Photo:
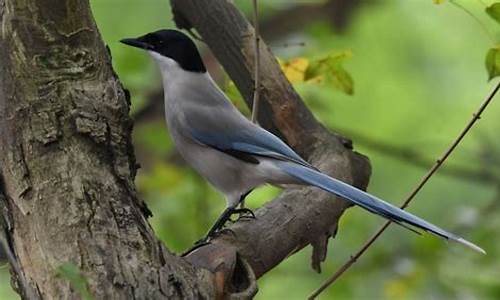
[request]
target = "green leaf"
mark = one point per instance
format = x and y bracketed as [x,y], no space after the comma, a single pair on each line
[342,80]
[330,70]
[71,272]
[494,11]
[438,1]
[493,62]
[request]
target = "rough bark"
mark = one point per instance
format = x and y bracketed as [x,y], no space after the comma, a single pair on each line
[297,217]
[68,165]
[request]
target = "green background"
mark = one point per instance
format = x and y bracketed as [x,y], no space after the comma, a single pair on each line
[418,71]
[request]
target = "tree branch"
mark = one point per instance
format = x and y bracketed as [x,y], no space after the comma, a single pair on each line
[68,165]
[297,217]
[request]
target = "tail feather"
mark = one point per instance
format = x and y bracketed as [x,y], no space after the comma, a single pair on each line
[367,201]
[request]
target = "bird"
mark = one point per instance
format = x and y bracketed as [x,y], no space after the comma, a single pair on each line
[234,154]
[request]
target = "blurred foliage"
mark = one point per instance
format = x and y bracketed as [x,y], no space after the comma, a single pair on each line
[493,62]
[328,70]
[419,74]
[494,11]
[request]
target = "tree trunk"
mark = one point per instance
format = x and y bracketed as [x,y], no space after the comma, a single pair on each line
[68,165]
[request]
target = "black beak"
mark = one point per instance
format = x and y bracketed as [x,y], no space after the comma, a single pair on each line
[138,43]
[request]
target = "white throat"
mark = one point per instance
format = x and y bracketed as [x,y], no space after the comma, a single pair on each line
[175,77]
[186,86]
[168,66]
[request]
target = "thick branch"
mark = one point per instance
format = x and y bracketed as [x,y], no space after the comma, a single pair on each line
[68,166]
[297,217]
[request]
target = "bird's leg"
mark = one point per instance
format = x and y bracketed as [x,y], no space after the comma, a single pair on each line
[242,198]
[224,218]
[216,228]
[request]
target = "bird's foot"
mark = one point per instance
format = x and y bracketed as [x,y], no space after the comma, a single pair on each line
[244,213]
[198,244]
[206,240]
[219,226]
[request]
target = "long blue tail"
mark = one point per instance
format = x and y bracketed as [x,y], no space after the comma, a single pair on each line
[367,201]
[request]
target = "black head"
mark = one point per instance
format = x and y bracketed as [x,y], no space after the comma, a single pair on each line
[173,44]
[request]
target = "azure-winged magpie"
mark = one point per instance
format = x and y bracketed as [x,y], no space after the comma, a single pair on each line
[231,152]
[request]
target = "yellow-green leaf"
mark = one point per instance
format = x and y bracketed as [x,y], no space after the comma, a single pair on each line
[295,69]
[493,62]
[438,1]
[342,80]
[494,11]
[329,69]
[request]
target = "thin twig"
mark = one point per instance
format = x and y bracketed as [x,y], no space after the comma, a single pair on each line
[256,92]
[476,116]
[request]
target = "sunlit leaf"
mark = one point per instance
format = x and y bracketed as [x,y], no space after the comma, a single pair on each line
[494,11]
[71,273]
[330,70]
[295,69]
[316,80]
[493,62]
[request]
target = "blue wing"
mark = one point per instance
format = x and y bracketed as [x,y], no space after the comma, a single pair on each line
[226,130]
[251,140]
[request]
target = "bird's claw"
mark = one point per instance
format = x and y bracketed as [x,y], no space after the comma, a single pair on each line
[244,213]
[219,227]
[202,242]
[206,240]
[198,244]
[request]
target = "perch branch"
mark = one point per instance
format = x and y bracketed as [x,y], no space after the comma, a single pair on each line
[298,217]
